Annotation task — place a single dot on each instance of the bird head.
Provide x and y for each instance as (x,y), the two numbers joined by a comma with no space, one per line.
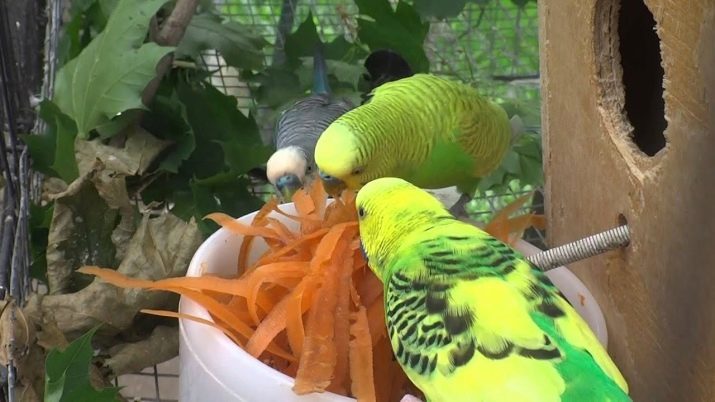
(287,169)
(341,165)
(389,209)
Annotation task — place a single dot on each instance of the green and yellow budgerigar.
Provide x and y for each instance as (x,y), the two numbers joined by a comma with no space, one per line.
(432,131)
(469,318)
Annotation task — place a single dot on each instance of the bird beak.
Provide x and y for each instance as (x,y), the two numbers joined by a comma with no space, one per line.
(287,185)
(364,254)
(332,185)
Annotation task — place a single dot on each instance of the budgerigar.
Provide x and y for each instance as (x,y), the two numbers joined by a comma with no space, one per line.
(292,164)
(469,318)
(432,131)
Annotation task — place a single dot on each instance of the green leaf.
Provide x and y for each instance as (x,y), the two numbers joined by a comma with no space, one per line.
(348,73)
(86,19)
(278,85)
(341,49)
(110,74)
(511,163)
(220,130)
(53,151)
(227,144)
(227,193)
(401,30)
(302,42)
(118,123)
(439,9)
(167,119)
(239,45)
(67,374)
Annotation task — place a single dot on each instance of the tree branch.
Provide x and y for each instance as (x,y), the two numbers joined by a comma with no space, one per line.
(170,34)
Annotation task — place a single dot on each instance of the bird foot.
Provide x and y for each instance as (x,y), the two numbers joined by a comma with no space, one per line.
(458,208)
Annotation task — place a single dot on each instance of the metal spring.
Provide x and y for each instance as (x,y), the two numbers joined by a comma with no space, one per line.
(581,249)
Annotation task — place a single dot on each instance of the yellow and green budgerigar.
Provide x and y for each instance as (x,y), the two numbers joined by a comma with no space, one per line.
(432,131)
(469,318)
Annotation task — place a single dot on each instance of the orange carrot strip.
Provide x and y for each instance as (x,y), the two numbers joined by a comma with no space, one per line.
(235,287)
(274,322)
(318,196)
(342,327)
(363,382)
(295,329)
(354,296)
(498,224)
(214,307)
(398,383)
(319,357)
(376,318)
(271,257)
(382,370)
(317,362)
(303,203)
(240,228)
(253,295)
(517,225)
(299,218)
(173,314)
(286,234)
(370,289)
(328,244)
(248,240)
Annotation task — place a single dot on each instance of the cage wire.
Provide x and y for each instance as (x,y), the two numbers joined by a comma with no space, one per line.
(492,44)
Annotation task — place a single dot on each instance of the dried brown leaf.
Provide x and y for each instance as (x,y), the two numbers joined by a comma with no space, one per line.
(161,247)
(160,346)
(134,158)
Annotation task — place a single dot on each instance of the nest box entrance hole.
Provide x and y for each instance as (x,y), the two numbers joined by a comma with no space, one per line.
(631,73)
(639,49)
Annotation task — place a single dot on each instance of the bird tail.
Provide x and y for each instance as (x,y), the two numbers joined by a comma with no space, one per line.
(385,65)
(320,71)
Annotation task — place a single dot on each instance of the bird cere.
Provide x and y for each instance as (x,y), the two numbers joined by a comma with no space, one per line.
(384,292)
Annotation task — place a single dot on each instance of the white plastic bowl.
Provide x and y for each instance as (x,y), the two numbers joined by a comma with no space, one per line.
(213,368)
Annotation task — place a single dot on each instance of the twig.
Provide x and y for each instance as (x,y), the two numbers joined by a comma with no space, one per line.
(170,34)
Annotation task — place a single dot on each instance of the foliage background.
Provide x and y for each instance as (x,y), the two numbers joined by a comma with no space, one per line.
(128,177)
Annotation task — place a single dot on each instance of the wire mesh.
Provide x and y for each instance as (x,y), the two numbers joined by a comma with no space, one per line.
(491,44)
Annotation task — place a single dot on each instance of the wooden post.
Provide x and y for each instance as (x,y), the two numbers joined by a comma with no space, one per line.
(608,159)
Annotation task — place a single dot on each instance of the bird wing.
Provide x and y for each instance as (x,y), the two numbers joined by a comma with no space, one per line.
(470,304)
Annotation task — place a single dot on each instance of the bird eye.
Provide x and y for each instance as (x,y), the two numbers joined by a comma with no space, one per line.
(361,212)
(310,168)
(358,171)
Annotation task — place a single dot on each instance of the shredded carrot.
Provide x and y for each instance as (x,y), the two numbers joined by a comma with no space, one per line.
(363,386)
(510,229)
(340,383)
(274,323)
(174,314)
(308,306)
(319,357)
(240,228)
(258,220)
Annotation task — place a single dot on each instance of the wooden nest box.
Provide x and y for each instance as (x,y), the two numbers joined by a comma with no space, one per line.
(628,89)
